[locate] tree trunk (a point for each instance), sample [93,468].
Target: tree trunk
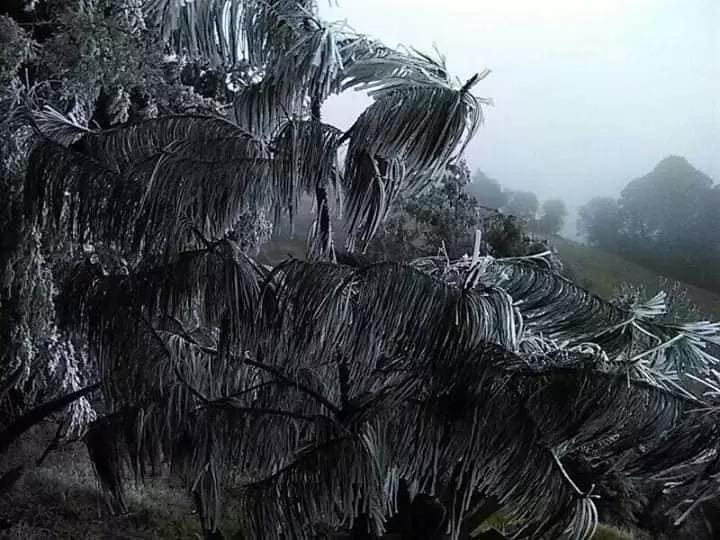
[207,533]
[428,518]
[323,212]
[362,528]
[401,522]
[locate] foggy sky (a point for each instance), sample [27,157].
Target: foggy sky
[588,94]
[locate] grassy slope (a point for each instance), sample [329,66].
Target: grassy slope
[605,271]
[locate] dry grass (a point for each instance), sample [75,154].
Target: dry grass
[61,500]
[609,532]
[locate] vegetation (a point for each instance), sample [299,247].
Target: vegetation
[553,216]
[523,204]
[548,218]
[605,273]
[443,219]
[487,191]
[666,220]
[314,397]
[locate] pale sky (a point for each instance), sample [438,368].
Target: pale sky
[588,93]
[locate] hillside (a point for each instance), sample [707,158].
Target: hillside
[603,272]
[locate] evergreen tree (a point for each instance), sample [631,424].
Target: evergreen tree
[316,394]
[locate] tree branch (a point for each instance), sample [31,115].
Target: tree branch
[277,373]
[287,380]
[304,456]
[228,403]
[176,369]
[39,413]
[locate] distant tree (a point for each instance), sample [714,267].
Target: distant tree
[599,221]
[443,214]
[709,228]
[448,213]
[522,204]
[667,220]
[661,207]
[671,220]
[552,218]
[486,190]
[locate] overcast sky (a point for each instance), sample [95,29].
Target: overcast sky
[588,93]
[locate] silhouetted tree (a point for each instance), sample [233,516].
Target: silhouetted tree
[668,219]
[599,220]
[663,207]
[552,217]
[486,190]
[523,205]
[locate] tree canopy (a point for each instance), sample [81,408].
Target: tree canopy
[552,216]
[444,218]
[487,191]
[667,218]
[523,204]
[599,220]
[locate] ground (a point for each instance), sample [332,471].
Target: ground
[60,500]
